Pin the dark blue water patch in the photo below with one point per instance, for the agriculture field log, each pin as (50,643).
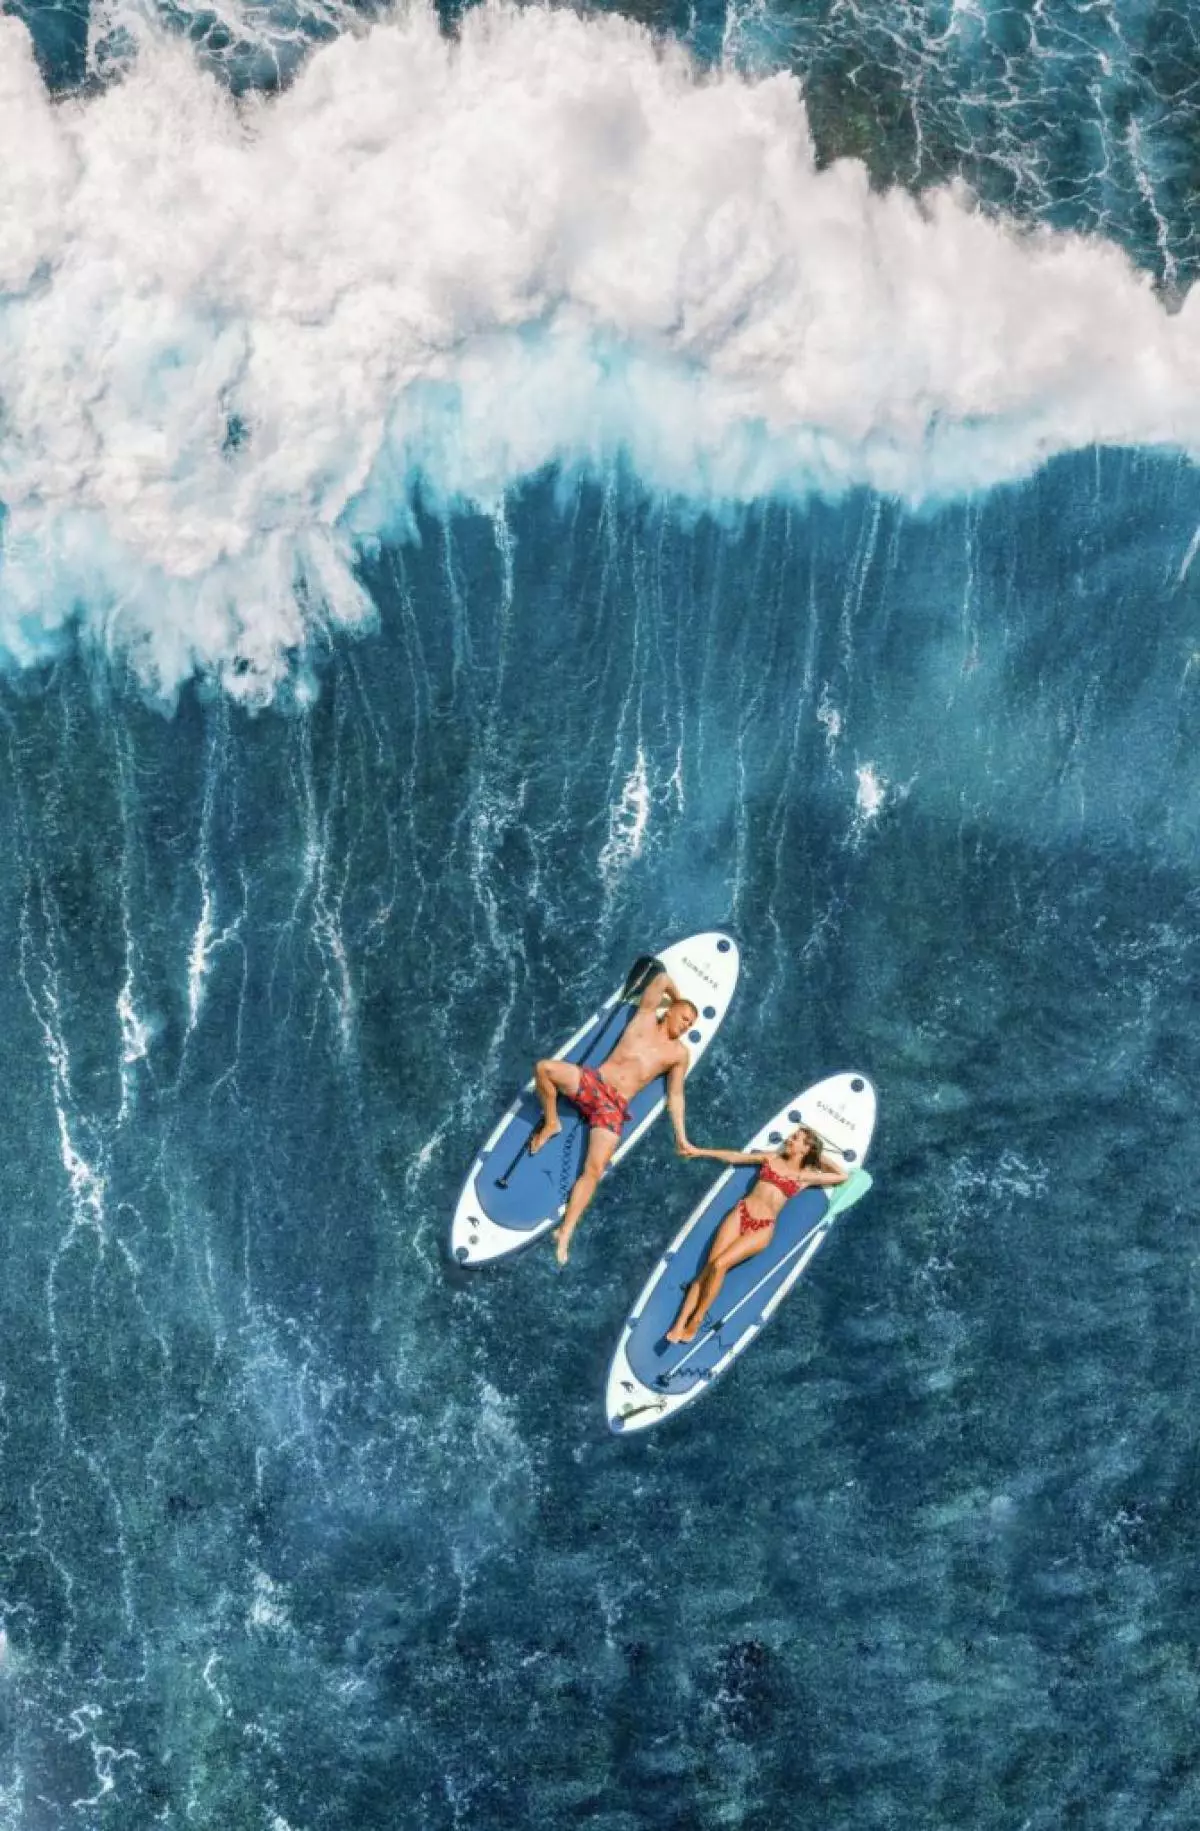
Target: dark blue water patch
(59,31)
(1081,120)
(260,53)
(311,1525)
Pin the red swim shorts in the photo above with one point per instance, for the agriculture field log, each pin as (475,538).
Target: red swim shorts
(600,1104)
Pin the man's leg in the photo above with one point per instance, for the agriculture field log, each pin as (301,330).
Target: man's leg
(552,1078)
(601,1146)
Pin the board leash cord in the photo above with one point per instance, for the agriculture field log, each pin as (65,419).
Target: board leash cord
(565,1178)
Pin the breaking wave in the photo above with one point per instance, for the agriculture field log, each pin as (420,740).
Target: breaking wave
(237,335)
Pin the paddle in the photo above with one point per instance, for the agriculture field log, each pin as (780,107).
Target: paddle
(636,980)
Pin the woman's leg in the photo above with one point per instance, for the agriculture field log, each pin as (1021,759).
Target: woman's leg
(725,1235)
(713,1276)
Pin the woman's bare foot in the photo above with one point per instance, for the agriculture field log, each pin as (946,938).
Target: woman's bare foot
(562,1242)
(545,1132)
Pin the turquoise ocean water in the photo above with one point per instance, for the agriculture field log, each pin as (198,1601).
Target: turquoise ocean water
(481,497)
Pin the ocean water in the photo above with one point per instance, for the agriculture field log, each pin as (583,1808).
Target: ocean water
(483,496)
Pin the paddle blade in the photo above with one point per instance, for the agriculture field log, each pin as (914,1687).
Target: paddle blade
(852,1190)
(639,976)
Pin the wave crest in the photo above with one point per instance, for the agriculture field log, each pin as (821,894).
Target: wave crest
(236,335)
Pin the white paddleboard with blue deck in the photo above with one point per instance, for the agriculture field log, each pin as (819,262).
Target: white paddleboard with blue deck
(510,1198)
(650,1377)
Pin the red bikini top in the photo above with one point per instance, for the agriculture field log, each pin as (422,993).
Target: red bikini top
(782,1183)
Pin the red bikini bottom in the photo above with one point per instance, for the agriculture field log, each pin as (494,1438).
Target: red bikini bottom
(753,1223)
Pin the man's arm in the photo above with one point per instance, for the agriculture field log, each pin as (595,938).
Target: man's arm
(661,986)
(675,1078)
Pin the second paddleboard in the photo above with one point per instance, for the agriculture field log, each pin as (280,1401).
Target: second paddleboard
(651,1378)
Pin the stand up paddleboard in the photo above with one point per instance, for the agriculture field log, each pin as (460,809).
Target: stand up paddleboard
(511,1198)
(650,1377)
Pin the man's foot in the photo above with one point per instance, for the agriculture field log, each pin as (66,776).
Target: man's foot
(691,1331)
(545,1132)
(562,1243)
(675,1332)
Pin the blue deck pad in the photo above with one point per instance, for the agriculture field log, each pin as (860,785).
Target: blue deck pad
(538,1186)
(676,1366)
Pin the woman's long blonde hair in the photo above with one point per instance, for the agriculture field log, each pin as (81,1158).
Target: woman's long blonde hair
(816,1145)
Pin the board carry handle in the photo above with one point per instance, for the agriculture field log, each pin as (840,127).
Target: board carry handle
(637,979)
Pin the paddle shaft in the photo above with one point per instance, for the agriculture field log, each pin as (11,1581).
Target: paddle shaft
(637,979)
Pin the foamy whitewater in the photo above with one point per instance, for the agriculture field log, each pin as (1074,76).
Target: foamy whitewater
(483,497)
(237,335)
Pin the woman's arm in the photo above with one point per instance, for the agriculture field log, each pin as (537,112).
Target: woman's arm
(733,1157)
(829,1175)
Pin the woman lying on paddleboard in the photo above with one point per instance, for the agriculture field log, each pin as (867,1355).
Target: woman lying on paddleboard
(799,1164)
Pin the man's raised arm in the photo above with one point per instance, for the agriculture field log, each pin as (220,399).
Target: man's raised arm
(662,985)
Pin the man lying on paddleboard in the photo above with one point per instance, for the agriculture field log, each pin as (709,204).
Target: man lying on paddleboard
(650,1045)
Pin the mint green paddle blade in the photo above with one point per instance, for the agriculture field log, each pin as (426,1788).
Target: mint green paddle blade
(847,1193)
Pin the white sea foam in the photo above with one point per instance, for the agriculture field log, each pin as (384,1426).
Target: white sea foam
(232,335)
(870,792)
(269,1610)
(830,720)
(627,822)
